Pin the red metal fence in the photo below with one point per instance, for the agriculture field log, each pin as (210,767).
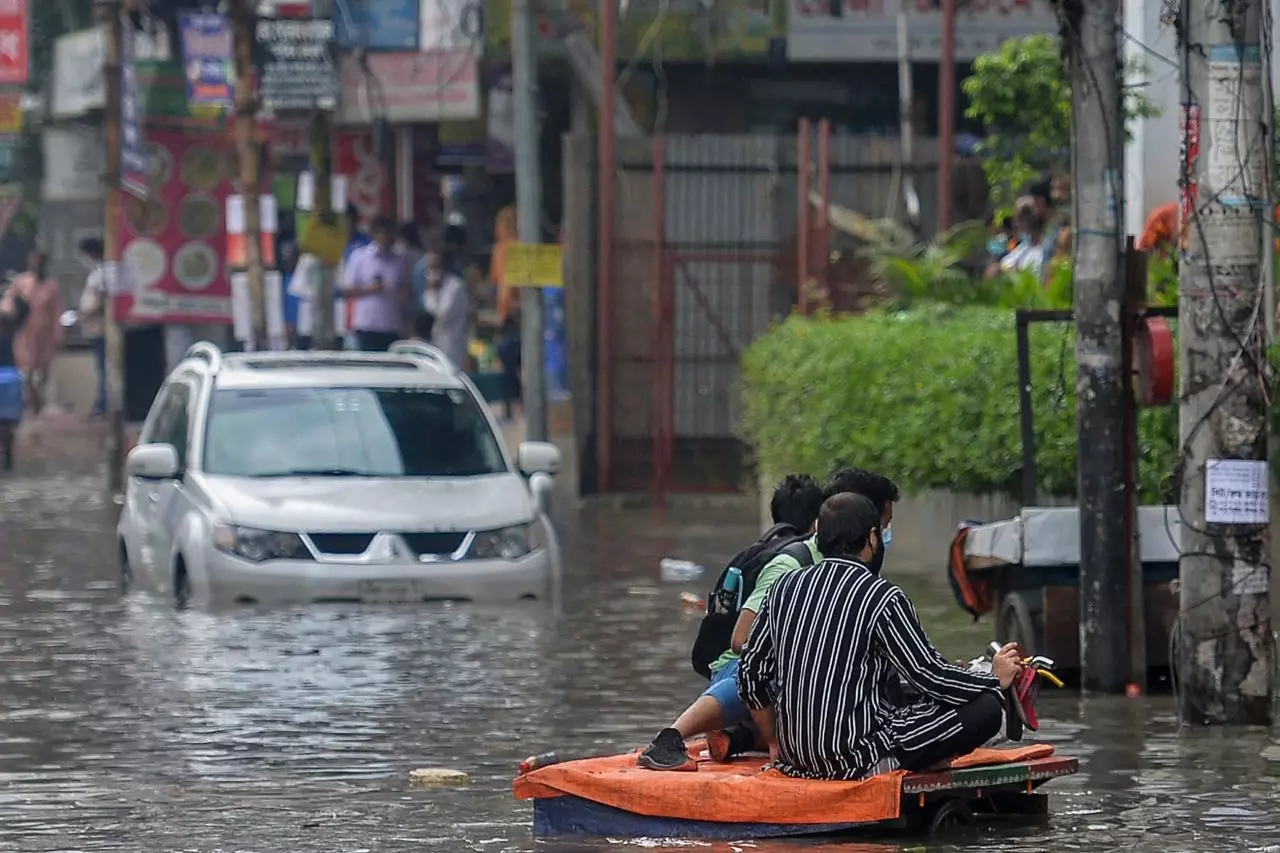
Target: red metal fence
(712,241)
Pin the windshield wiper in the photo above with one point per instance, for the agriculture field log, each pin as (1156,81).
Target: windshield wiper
(318,472)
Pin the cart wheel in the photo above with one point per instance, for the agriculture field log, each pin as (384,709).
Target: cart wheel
(947,815)
(1017,625)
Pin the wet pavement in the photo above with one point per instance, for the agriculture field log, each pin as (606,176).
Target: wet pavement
(127,726)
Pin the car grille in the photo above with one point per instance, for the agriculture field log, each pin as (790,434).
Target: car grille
(341,543)
(437,544)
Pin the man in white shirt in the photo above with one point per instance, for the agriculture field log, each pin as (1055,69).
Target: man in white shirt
(446,299)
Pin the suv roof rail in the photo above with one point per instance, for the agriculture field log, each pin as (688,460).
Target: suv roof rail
(206,351)
(423,350)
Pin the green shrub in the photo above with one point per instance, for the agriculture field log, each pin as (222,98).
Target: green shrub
(930,397)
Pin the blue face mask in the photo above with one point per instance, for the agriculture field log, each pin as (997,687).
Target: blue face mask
(887,537)
(996,247)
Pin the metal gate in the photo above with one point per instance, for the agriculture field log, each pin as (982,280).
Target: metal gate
(711,244)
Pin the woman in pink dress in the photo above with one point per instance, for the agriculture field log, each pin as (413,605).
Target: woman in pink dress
(37,341)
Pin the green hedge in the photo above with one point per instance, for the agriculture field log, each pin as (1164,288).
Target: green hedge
(930,398)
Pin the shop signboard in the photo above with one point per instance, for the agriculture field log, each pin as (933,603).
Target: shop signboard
(15,67)
(174,242)
(206,59)
(412,87)
(296,61)
(379,24)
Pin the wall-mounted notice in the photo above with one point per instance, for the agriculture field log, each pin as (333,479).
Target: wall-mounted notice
(1236,491)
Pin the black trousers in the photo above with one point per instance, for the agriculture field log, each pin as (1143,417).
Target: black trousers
(980,721)
(375,341)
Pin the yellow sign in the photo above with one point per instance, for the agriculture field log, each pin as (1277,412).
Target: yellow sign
(534,265)
(326,240)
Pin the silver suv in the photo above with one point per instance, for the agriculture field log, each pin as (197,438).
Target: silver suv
(333,476)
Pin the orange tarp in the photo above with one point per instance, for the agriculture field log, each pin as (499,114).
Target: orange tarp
(738,791)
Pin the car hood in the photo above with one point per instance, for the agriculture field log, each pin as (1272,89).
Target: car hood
(358,504)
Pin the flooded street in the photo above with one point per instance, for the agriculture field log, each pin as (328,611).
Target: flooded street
(127,726)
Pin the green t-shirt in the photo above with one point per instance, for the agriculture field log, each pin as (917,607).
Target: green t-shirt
(774,569)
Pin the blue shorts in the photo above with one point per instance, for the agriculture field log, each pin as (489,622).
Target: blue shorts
(724,689)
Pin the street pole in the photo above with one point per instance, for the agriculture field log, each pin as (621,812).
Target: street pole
(946,113)
(111,250)
(243,15)
(524,82)
(604,254)
(906,100)
(1224,625)
(1094,59)
(322,301)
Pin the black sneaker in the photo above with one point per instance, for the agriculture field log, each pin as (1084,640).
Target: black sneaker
(667,752)
(730,743)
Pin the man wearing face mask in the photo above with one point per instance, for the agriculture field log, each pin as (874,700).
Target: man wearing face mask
(825,640)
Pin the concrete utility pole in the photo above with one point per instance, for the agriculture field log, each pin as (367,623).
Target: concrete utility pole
(524,82)
(114,335)
(243,16)
(906,105)
(1094,57)
(1224,627)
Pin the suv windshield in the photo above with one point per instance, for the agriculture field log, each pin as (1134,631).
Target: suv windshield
(356,432)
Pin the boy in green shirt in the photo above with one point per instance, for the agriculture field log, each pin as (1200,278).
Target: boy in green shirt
(719,712)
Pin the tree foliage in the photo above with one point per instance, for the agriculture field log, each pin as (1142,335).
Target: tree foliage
(1022,95)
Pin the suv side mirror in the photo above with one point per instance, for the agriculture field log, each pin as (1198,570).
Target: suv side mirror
(153,462)
(538,457)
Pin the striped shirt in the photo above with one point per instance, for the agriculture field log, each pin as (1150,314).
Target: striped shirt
(821,652)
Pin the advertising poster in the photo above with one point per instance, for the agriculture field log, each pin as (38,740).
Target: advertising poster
(206,59)
(15,67)
(174,241)
(356,159)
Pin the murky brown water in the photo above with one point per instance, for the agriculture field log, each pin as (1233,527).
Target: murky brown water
(126,726)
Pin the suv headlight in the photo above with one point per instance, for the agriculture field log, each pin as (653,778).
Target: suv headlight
(509,543)
(257,546)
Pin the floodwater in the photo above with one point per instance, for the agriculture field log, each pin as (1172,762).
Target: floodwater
(127,726)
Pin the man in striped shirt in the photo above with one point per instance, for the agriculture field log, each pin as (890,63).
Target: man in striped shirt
(824,644)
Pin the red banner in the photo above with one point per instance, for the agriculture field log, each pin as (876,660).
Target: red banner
(174,242)
(14,61)
(366,173)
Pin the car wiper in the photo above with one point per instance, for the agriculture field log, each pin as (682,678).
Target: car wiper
(318,472)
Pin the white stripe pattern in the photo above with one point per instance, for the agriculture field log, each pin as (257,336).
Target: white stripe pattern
(821,652)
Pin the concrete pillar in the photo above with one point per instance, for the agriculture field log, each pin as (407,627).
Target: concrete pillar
(1151,156)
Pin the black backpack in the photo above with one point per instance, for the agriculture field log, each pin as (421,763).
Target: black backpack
(715,634)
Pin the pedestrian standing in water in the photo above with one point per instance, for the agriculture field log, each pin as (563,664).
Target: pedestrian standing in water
(447,300)
(375,279)
(91,315)
(11,319)
(39,338)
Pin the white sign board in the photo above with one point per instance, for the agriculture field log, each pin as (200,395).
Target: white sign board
(74,165)
(867,30)
(1236,491)
(78,83)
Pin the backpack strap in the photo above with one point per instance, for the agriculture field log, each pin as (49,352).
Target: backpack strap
(800,552)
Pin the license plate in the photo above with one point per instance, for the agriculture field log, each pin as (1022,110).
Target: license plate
(390,592)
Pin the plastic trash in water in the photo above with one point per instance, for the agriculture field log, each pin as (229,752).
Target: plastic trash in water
(679,571)
(692,602)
